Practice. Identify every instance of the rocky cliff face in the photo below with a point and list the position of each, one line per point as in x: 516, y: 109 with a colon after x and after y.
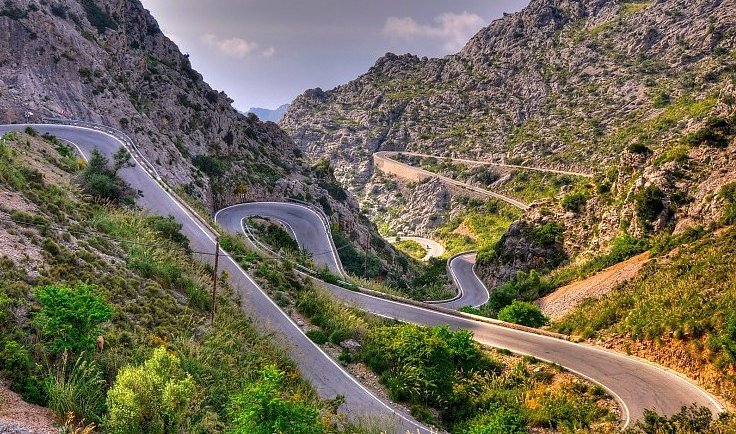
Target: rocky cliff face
x: 108, y: 62
x: 609, y: 86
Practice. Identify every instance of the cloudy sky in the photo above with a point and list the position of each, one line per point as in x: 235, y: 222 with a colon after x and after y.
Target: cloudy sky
x: 264, y: 53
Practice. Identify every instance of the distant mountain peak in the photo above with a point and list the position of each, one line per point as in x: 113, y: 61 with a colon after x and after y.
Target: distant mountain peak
x: 265, y: 114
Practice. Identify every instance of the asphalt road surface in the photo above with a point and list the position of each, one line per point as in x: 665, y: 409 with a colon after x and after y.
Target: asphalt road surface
x: 472, y: 291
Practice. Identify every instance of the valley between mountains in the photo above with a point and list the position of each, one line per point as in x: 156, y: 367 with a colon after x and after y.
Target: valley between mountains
x: 533, y: 235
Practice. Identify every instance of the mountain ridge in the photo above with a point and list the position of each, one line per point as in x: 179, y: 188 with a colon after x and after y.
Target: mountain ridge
x: 272, y: 115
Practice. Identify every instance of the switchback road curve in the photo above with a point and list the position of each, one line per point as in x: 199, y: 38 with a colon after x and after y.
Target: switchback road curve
x: 637, y: 385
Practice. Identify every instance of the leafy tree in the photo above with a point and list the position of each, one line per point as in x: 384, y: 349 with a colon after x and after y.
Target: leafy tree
x: 524, y: 313
x: 574, y: 201
x: 262, y: 408
x: 70, y: 317
x: 121, y: 159
x: 152, y: 398
x: 649, y: 204
x: 728, y: 194
x: 101, y: 181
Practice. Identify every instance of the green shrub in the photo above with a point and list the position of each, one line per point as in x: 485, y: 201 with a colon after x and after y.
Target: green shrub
x: 728, y: 194
x: 70, y: 318
x: 574, y: 201
x: 101, y: 181
x: 649, y: 204
x: 548, y: 234
x: 211, y: 166
x: 497, y: 421
x: 639, y: 148
x: 20, y: 370
x: 79, y: 390
x: 152, y: 398
x: 426, y: 365
x: 263, y: 408
x: 169, y: 228
x: 524, y: 313
x: 690, y: 419
x: 717, y: 132
x: 317, y: 336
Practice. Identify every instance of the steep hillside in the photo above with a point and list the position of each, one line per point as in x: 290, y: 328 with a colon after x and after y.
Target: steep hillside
x: 91, y: 290
x: 641, y: 94
x: 557, y: 83
x: 110, y: 63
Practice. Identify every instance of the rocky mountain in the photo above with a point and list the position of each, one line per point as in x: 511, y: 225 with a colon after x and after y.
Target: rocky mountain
x: 265, y: 114
x: 109, y: 62
x: 639, y: 93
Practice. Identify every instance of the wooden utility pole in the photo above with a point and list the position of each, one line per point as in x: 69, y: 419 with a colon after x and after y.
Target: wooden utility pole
x: 216, y: 276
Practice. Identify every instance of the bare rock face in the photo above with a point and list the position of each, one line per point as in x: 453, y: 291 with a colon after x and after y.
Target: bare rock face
x: 525, y: 246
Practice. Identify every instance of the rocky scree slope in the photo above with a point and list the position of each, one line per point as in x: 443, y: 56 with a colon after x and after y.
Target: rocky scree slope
x: 109, y: 62
x: 633, y: 90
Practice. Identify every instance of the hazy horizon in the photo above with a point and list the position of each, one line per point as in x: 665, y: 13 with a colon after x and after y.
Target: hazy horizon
x: 264, y: 54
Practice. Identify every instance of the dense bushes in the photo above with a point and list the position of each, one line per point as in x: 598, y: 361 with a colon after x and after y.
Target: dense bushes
x: 263, y: 408
x: 717, y: 132
x: 574, y: 202
x: 426, y: 366
x: 688, y: 420
x: 152, y: 398
x: 524, y: 313
x: 21, y: 371
x: 70, y: 317
x: 649, y: 204
x: 101, y: 180
x: 211, y: 166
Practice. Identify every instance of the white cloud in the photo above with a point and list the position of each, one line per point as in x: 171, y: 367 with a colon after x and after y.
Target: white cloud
x: 268, y: 52
x: 453, y: 30
x: 232, y: 47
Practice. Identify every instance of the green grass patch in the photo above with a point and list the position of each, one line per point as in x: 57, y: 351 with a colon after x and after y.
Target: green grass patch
x: 411, y: 248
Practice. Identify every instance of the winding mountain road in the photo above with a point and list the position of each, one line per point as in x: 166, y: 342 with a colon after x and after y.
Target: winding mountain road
x: 325, y: 375
x: 471, y: 290
x: 637, y: 385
